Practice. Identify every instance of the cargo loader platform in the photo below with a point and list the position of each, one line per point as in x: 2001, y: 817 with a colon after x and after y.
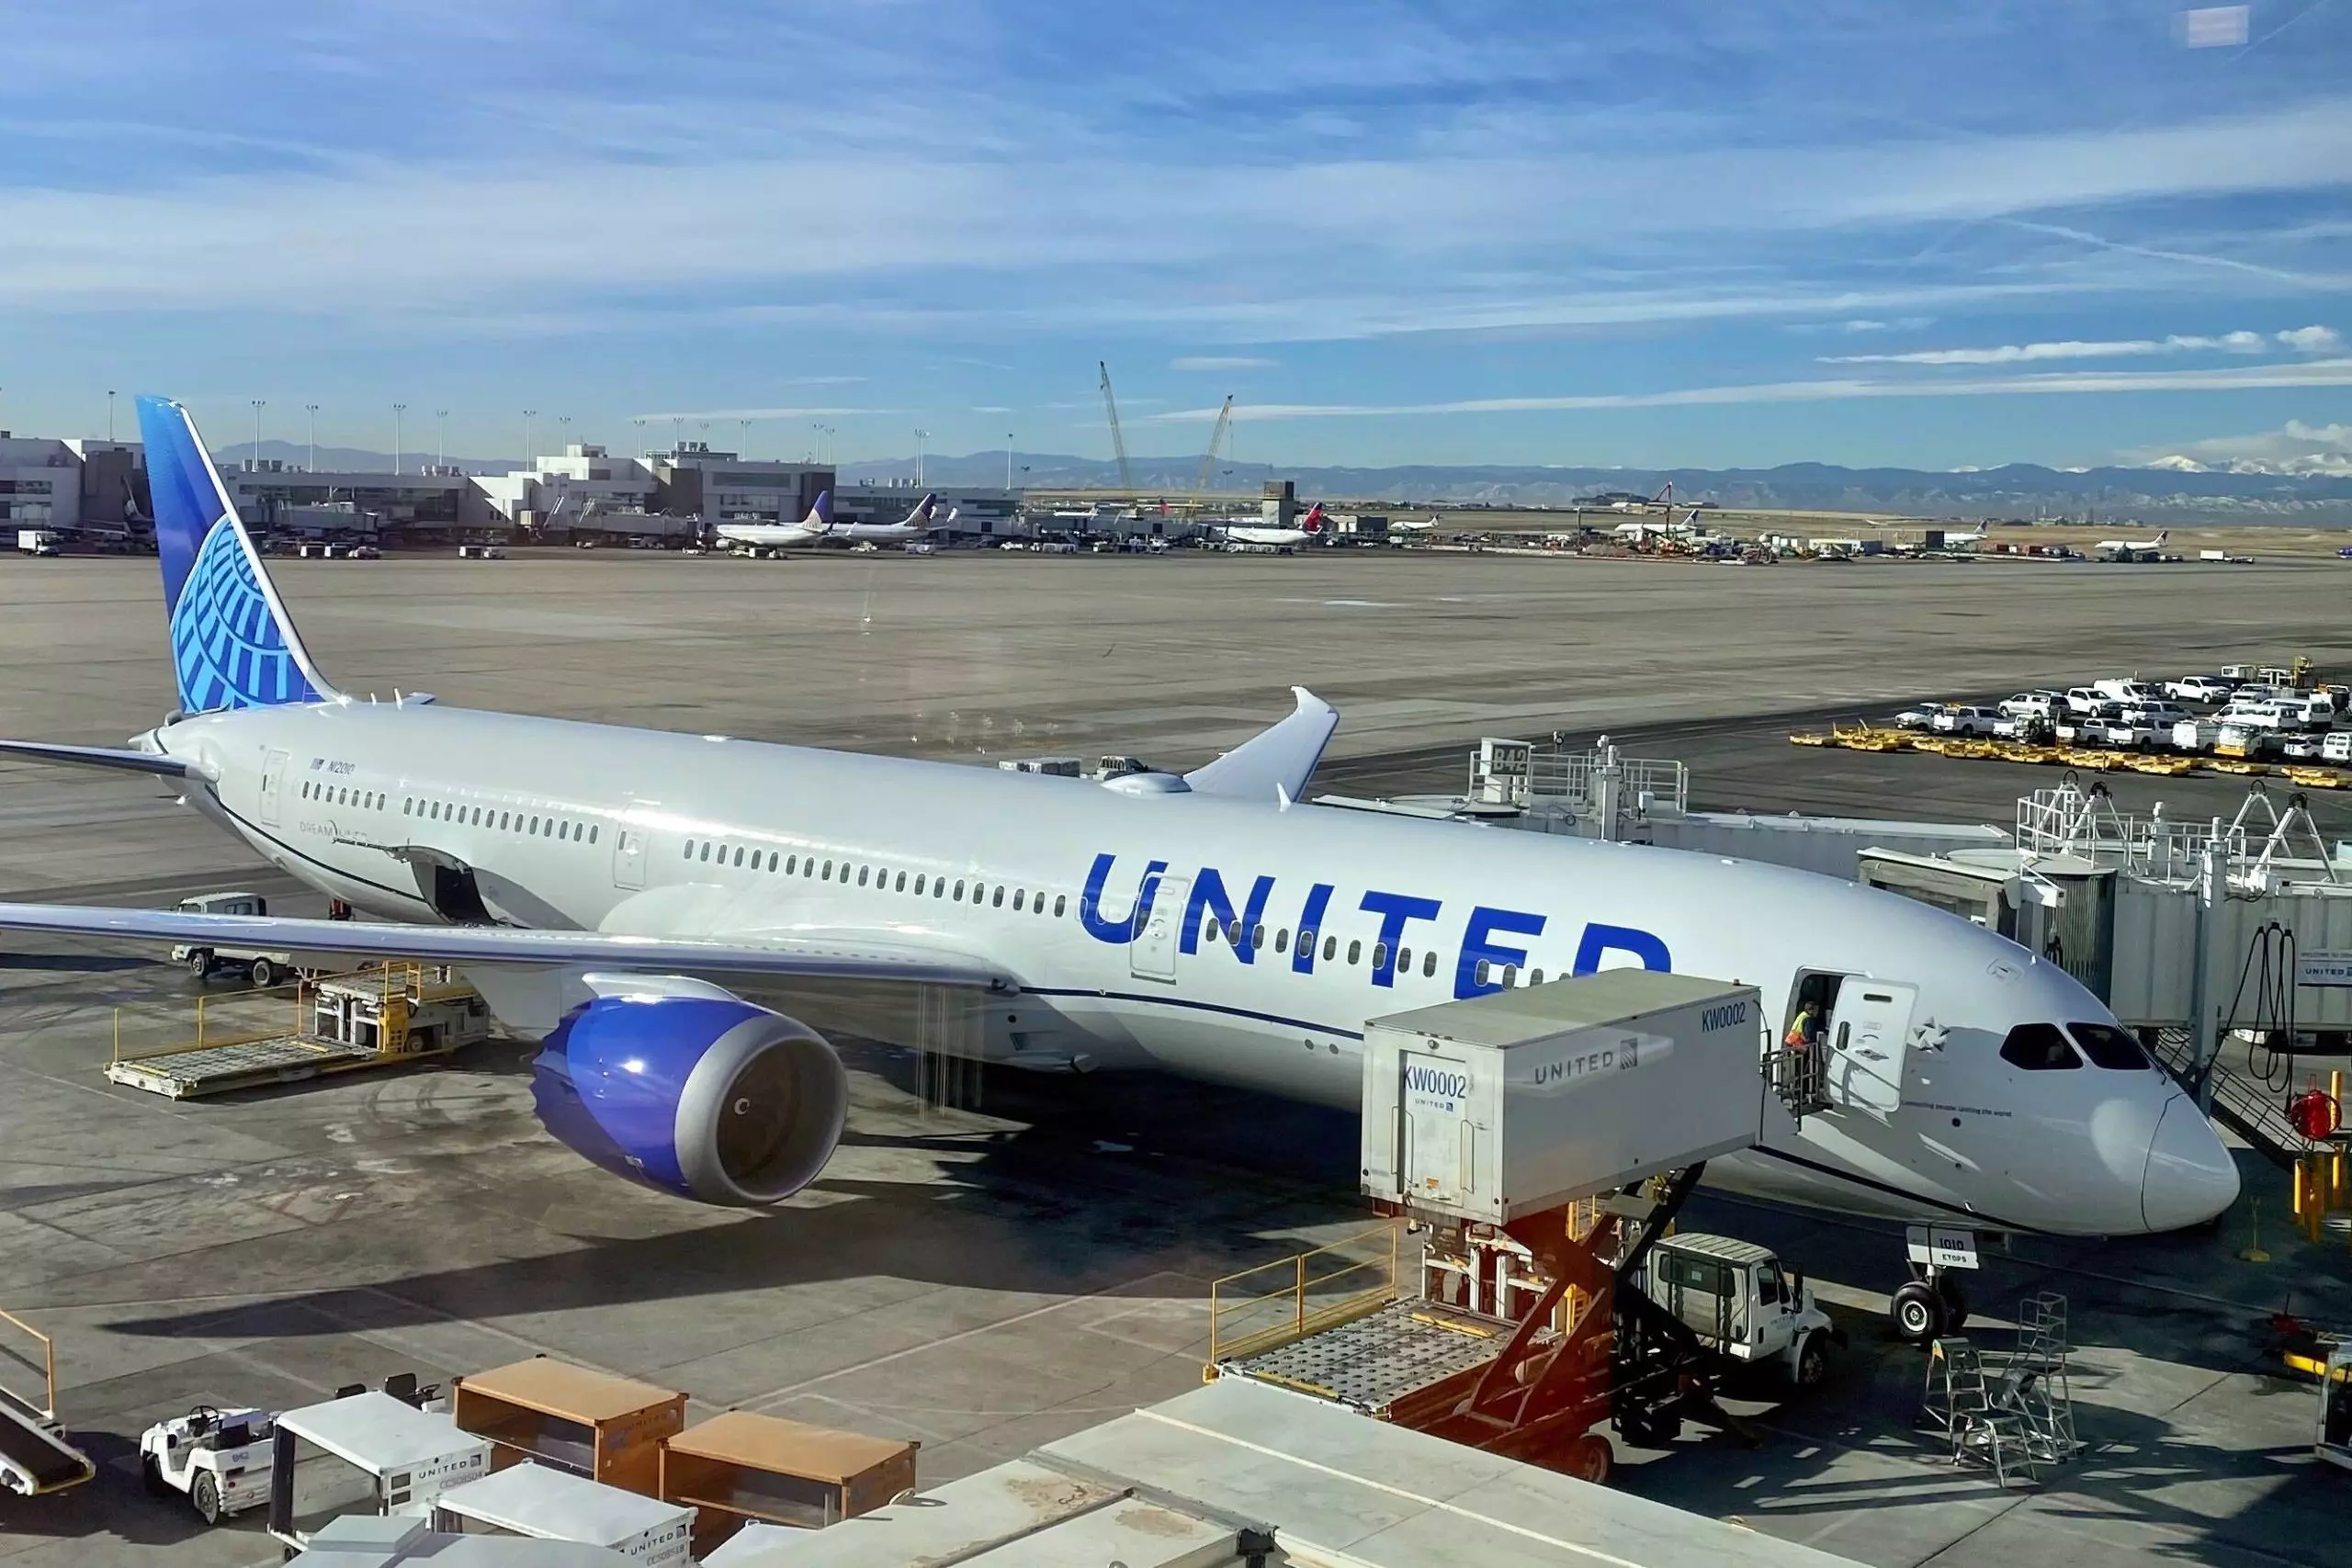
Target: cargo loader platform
x: 1539, y: 1140
x: 397, y: 1015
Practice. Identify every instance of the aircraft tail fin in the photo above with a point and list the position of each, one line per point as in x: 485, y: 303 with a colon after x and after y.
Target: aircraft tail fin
x: 921, y: 515
x: 820, y: 511
x: 1314, y: 522
x: 233, y: 646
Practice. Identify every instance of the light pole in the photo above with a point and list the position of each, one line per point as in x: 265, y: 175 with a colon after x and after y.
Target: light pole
x: 920, y: 437
x: 530, y: 453
x: 312, y: 410
x: 1008, y: 462
x: 399, y: 435
x: 640, y: 435
x: 564, y: 431
x: 259, y: 404
x: 441, y: 438
x: 110, y: 413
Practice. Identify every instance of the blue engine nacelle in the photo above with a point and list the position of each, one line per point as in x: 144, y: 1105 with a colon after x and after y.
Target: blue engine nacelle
x: 693, y: 1091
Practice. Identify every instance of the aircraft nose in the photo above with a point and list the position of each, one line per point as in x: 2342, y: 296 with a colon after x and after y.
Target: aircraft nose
x: 2190, y: 1176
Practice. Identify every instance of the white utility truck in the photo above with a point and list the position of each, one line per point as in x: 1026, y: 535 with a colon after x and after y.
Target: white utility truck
x: 1742, y: 1304
x: 37, y: 541
x: 219, y: 1460
x: 265, y: 966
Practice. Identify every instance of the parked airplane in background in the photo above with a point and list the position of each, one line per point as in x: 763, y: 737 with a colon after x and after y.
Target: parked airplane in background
x: 1953, y: 536
x: 598, y: 884
x: 917, y: 524
x: 1310, y: 528
x: 2132, y: 549
x: 784, y: 535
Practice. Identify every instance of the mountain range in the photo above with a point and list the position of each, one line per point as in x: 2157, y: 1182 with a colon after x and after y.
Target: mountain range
x: 2169, y: 489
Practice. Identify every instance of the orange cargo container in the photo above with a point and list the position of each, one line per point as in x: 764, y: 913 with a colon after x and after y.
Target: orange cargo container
x: 738, y: 1467
x: 591, y: 1423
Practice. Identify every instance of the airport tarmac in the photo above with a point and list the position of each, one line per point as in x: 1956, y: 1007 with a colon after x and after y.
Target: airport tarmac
x: 1035, y: 1258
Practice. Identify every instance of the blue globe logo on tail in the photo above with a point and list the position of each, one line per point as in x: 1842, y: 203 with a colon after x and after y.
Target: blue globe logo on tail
x: 231, y: 644
x: 225, y: 639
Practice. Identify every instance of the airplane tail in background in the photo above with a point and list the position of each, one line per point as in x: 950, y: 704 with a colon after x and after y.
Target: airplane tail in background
x: 2162, y: 535
x: 1314, y: 522
x: 921, y: 515
x: 820, y: 513
x: 233, y: 646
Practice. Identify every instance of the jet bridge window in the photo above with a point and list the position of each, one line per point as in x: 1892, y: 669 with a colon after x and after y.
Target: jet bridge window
x: 2109, y: 1047
x: 2038, y: 1048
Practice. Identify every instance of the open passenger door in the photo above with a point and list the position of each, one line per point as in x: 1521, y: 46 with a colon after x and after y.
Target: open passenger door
x: 1867, y: 1037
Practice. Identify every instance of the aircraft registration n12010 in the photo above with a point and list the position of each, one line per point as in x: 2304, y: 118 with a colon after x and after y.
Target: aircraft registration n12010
x: 617, y: 890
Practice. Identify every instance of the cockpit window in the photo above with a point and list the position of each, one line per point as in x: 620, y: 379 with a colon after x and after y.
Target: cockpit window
x: 2038, y: 1048
x: 2109, y: 1047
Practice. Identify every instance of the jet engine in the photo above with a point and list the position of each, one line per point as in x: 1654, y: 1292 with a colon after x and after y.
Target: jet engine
x: 689, y: 1088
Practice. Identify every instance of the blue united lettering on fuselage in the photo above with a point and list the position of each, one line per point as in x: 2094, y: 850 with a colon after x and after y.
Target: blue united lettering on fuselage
x: 1479, y: 969
x: 1209, y: 897
x: 1090, y: 902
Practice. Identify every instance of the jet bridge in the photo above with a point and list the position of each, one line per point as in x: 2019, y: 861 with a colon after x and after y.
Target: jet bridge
x: 1542, y: 1139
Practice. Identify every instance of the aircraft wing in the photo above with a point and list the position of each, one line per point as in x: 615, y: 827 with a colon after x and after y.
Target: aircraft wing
x: 843, y: 958
x: 1274, y: 764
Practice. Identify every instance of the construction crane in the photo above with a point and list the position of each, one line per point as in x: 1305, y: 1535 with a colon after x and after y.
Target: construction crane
x: 1217, y: 439
x: 1118, y: 442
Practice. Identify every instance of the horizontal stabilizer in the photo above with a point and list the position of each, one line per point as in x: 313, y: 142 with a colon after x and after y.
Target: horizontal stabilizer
x: 1274, y: 765
x: 810, y: 957
x: 105, y: 757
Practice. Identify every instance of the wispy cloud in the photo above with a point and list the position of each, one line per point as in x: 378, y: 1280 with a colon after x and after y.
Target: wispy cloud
x: 2313, y: 340
x: 2023, y: 353
x: 1220, y: 362
x: 759, y: 414
x: 2316, y: 373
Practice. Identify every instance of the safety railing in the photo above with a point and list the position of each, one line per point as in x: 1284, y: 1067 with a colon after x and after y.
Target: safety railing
x: 1291, y: 1298
x: 45, y: 1366
x: 234, y: 1018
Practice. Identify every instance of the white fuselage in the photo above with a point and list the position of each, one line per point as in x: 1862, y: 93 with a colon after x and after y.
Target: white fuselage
x: 568, y: 825
x: 1281, y: 539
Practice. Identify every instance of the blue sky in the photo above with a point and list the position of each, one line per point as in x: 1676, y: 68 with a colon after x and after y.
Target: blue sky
x: 1678, y: 232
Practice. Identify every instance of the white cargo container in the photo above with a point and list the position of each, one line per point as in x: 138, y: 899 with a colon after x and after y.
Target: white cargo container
x: 364, y: 1453
x: 546, y: 1503
x: 1518, y: 1101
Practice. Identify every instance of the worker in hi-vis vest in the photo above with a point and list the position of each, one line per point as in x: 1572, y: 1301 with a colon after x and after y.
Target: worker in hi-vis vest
x: 1803, y: 1029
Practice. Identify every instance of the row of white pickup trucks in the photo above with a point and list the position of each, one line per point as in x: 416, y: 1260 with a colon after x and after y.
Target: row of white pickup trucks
x: 2222, y: 714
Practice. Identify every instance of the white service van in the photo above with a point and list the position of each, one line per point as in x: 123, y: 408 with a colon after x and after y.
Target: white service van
x: 37, y: 541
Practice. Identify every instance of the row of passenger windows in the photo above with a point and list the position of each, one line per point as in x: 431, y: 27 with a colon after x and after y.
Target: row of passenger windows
x: 529, y: 825
x: 342, y: 794
x: 1487, y: 974
x: 705, y: 851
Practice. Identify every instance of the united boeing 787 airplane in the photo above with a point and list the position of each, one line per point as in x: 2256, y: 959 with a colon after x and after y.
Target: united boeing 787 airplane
x: 617, y: 891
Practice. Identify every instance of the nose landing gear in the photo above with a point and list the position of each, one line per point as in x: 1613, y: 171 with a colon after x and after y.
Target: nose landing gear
x: 1933, y: 1304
